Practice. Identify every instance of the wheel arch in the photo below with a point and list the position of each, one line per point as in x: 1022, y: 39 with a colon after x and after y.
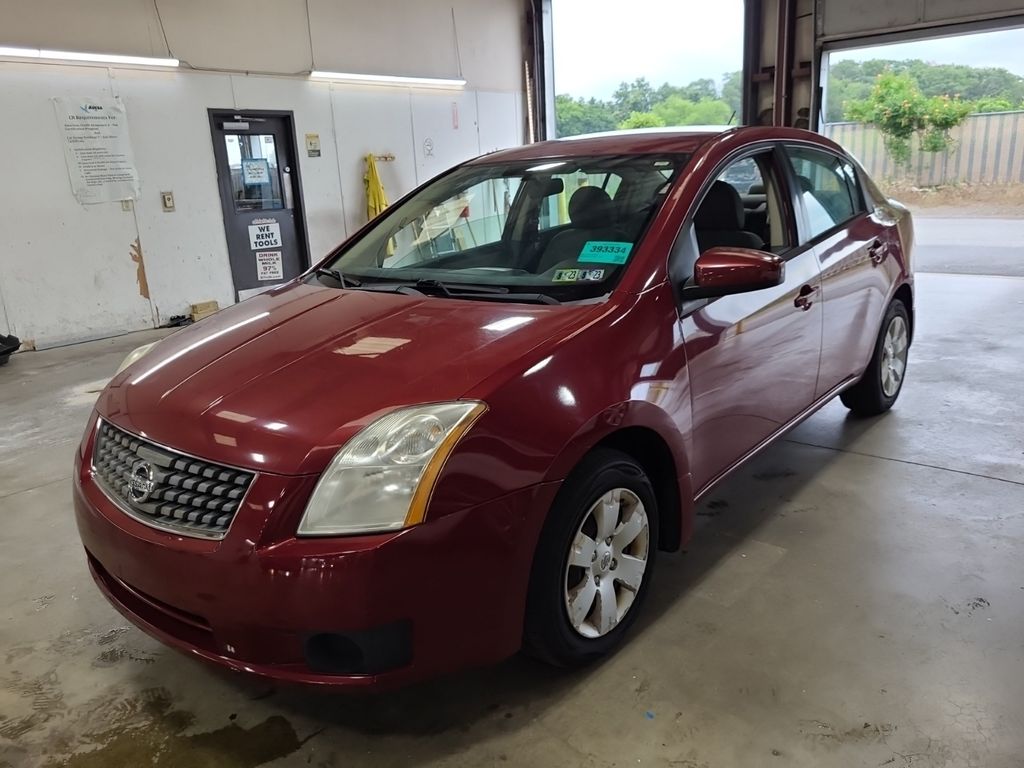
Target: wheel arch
x: 645, y: 446
x: 645, y: 433
x: 905, y: 294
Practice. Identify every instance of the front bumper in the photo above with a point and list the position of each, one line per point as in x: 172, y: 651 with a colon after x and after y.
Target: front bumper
x: 440, y: 596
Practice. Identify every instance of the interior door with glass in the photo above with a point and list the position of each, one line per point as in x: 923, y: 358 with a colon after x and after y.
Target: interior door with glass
x: 259, y: 189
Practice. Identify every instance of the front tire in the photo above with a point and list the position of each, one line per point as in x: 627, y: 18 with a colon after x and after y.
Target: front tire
x: 878, y: 389
x: 593, y: 562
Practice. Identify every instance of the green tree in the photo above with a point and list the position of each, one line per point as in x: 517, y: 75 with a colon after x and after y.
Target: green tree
x: 576, y: 116
x: 896, y: 106
x: 675, y: 110
x: 637, y: 96
x: 992, y: 104
x: 642, y: 120
x: 941, y: 115
x: 700, y: 90
x: 899, y: 110
x: 853, y: 81
x: 732, y: 92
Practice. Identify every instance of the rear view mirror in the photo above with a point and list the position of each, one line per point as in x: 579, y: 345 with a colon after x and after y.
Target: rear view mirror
x: 727, y: 270
x: 554, y: 186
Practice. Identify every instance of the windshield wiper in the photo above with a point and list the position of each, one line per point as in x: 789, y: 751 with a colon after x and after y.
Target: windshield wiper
x: 430, y: 287
x: 426, y: 285
x: 338, y: 276
x: 515, y: 298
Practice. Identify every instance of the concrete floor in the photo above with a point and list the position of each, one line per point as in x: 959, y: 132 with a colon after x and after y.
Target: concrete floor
x: 969, y: 245
x: 854, y: 597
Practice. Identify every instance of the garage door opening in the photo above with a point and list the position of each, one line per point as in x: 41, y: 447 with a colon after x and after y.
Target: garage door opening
x: 940, y: 124
x: 942, y: 111
x: 660, y: 64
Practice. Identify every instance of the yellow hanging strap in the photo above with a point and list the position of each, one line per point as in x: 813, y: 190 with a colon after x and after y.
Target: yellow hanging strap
x: 376, y: 200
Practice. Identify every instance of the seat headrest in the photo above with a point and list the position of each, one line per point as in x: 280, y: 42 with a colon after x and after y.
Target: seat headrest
x: 756, y: 189
x: 722, y: 208
x: 590, y: 207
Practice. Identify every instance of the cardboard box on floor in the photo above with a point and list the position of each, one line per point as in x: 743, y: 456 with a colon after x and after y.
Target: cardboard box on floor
x: 204, y: 309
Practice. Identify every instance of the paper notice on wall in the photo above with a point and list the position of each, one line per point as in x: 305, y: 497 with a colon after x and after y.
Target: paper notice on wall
x: 269, y: 265
x: 97, y: 148
x: 264, y: 233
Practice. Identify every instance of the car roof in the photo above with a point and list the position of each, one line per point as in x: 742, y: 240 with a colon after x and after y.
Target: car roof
x: 643, y: 141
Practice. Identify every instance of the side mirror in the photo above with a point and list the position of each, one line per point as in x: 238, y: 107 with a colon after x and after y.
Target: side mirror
x: 724, y: 271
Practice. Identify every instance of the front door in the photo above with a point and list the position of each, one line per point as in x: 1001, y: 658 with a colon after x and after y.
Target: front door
x: 752, y: 357
x: 260, y: 195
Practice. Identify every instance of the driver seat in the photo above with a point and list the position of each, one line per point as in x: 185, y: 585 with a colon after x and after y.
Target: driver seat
x: 720, y: 220
x: 591, y: 212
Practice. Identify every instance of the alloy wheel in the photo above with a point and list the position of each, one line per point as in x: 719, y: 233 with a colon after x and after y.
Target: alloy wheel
x: 607, y: 562
x: 894, y: 356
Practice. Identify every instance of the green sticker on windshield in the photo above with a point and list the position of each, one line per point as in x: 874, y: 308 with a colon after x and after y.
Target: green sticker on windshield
x: 605, y: 252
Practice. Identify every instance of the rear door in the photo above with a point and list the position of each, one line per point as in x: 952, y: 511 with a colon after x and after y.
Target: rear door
x: 853, y: 247
x: 752, y: 357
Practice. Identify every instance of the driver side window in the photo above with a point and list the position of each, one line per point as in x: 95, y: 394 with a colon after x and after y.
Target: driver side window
x: 741, y: 208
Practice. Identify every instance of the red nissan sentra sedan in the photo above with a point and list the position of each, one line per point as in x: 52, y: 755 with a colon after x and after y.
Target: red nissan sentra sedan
x: 472, y: 427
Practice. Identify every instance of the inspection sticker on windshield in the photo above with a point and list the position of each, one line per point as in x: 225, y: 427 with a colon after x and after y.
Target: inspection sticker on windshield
x: 578, y: 275
x: 605, y: 252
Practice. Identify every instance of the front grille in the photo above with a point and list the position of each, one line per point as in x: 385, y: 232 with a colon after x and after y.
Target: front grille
x: 166, y: 489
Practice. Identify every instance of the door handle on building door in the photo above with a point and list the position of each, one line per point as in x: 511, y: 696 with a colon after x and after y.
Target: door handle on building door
x: 286, y: 188
x: 803, y: 297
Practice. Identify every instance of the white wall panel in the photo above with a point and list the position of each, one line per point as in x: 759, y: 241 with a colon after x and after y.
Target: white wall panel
x: 245, y: 35
x: 444, y: 128
x: 402, y: 37
x: 399, y: 37
x: 498, y: 119
x: 185, y: 250
x: 67, y: 268
x: 372, y: 121
x: 74, y: 25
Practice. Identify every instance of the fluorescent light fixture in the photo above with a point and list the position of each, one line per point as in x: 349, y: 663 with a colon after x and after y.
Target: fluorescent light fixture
x: 96, y: 58
x: 352, y: 77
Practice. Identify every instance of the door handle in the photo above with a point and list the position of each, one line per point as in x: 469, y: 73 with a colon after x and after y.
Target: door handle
x: 286, y: 188
x: 803, y: 297
x: 877, y: 251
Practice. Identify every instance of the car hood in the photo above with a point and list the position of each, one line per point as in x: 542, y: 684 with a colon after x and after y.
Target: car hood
x: 278, y: 383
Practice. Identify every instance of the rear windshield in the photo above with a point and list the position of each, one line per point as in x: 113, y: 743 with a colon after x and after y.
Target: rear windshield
x: 563, y: 228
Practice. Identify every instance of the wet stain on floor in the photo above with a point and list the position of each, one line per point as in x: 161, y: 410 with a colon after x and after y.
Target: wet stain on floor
x: 774, y: 474
x: 150, y: 731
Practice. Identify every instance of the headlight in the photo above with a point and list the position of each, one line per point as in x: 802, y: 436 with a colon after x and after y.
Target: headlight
x: 134, y: 355
x: 382, y: 478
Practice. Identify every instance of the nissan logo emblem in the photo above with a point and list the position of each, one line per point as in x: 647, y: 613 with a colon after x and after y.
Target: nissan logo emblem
x: 140, y: 482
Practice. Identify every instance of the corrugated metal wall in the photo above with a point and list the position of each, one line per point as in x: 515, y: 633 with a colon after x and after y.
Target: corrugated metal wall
x: 988, y: 149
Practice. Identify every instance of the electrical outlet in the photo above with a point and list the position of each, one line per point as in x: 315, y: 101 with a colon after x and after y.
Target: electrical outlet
x: 167, y: 200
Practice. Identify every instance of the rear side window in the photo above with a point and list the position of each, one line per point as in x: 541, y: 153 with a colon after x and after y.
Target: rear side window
x: 828, y: 187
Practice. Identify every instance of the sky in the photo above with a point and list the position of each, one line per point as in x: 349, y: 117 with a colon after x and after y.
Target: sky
x: 600, y: 43
x: 987, y: 49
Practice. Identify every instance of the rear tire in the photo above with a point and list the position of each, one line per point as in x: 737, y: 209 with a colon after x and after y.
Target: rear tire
x: 878, y: 389
x: 594, y: 561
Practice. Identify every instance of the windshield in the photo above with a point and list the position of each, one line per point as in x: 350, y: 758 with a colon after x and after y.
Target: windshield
x: 564, y: 229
